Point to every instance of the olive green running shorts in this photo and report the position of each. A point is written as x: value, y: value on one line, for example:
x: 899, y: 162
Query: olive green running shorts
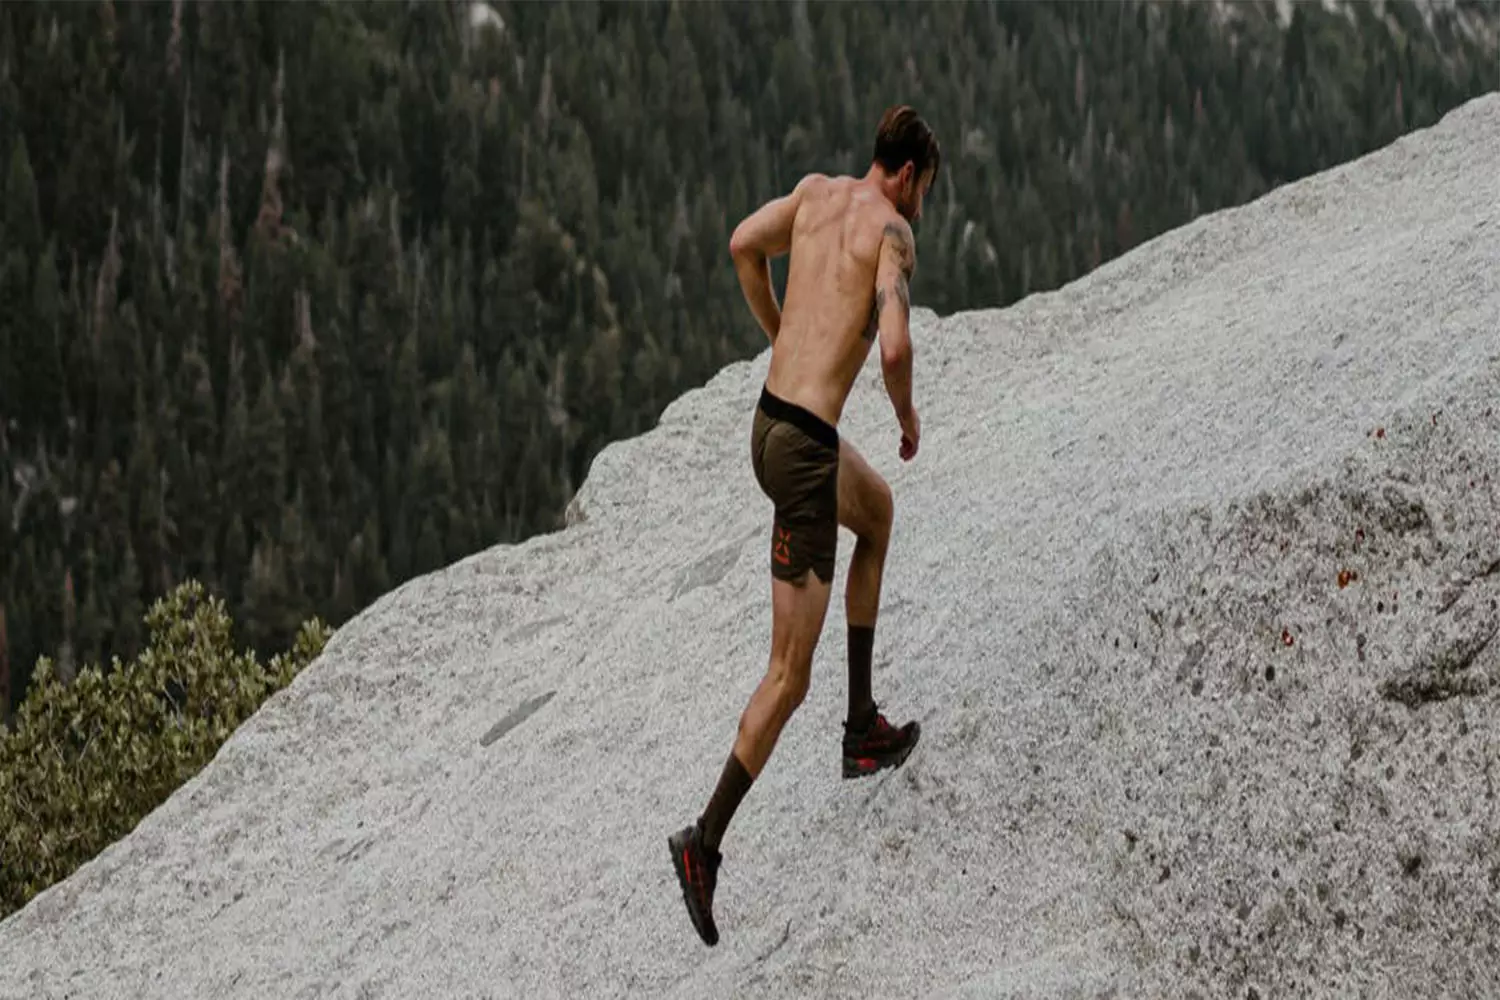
x: 795, y: 454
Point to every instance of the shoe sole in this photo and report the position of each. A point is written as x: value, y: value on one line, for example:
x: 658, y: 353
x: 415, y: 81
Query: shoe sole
x: 863, y: 767
x: 678, y: 842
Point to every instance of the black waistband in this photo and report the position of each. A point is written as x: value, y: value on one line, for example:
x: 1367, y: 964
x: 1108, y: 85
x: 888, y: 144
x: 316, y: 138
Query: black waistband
x: 807, y: 421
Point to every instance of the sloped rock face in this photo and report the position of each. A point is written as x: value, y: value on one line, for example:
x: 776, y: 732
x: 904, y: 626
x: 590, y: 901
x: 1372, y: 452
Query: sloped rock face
x: 1194, y: 586
x: 1287, y: 711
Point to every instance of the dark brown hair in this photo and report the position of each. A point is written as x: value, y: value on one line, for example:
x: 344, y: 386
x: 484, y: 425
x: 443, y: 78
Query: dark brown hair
x: 903, y: 136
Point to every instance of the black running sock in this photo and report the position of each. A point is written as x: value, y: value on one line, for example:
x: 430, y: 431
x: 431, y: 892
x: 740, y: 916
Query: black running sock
x: 861, y: 704
x: 734, y: 782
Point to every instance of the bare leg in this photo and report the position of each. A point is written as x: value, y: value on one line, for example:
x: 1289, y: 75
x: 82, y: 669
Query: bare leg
x: 798, y: 611
x: 871, y: 743
x: 865, y: 508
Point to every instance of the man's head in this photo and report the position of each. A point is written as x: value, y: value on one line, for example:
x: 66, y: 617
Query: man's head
x: 908, y: 155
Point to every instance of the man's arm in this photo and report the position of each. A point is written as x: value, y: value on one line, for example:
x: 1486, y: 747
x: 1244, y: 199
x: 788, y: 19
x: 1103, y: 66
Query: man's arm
x: 765, y: 233
x: 898, y: 262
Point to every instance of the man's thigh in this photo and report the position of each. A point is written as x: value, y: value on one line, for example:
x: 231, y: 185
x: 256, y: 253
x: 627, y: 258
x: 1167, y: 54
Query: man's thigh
x: 865, y: 505
x: 798, y: 610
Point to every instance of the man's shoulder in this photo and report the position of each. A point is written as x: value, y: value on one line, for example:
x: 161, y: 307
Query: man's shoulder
x: 896, y: 229
x: 814, y: 181
x: 880, y: 216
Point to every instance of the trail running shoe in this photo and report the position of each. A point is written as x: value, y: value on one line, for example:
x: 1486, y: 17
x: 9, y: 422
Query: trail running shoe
x: 697, y: 872
x: 879, y: 746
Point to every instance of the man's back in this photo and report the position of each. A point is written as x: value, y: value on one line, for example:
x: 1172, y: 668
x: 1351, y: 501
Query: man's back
x: 852, y: 258
x: 828, y: 322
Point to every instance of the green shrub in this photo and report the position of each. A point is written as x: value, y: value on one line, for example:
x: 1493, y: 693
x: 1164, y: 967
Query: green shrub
x: 87, y: 761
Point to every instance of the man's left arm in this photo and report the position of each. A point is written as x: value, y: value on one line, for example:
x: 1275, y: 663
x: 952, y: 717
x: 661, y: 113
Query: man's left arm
x: 762, y: 235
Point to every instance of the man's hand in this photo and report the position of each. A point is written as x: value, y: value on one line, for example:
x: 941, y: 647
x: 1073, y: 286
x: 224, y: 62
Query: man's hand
x: 911, y: 435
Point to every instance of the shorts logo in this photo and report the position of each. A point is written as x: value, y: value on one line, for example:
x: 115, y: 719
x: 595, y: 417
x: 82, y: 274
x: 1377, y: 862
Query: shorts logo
x: 781, y: 547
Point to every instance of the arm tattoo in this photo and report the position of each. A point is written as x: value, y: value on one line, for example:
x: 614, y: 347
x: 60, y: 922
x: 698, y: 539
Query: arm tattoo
x: 906, y: 254
x: 906, y: 260
x: 899, y: 243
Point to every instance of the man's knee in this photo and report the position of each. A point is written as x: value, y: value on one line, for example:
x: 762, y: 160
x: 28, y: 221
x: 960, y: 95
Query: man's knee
x: 882, y: 514
x: 791, y: 684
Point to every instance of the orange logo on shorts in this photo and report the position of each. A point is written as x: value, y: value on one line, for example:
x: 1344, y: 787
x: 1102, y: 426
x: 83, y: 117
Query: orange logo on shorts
x: 781, y: 548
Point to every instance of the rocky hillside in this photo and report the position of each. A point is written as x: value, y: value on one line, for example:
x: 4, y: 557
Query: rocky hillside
x: 1194, y: 586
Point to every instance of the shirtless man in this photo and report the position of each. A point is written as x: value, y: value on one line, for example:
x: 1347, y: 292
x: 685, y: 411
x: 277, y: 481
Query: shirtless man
x: 853, y: 255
